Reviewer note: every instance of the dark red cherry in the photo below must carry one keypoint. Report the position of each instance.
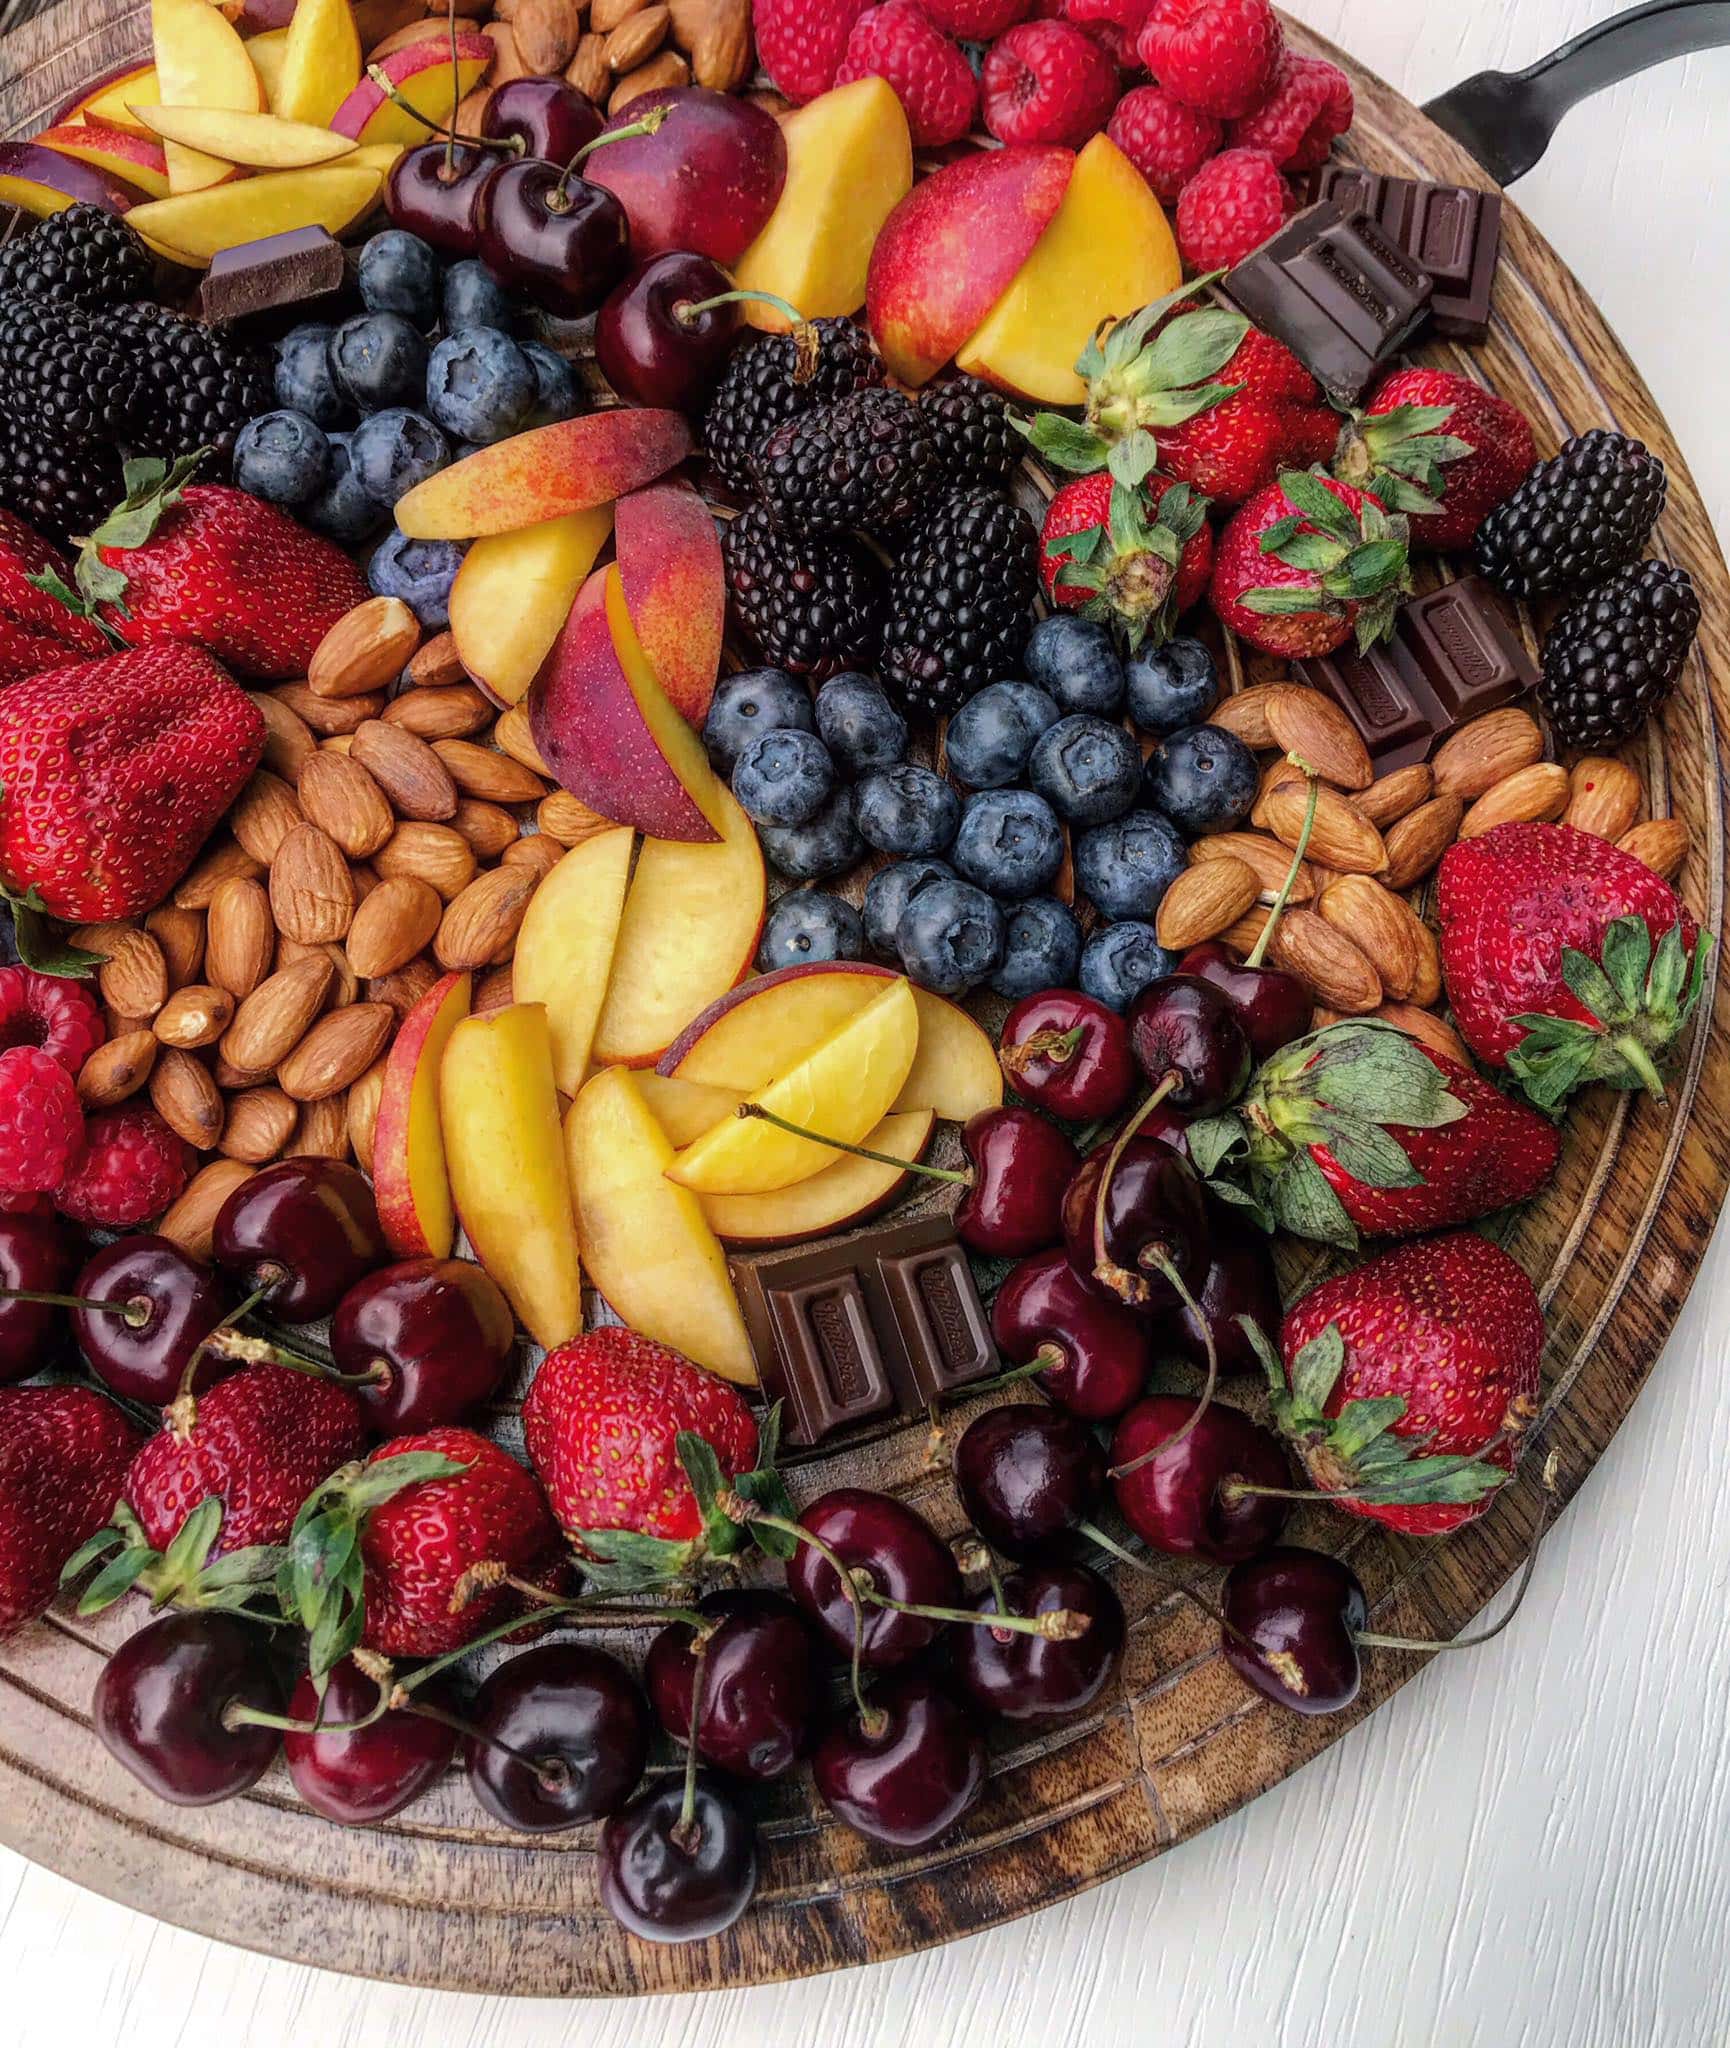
(907, 1772)
(1175, 1501)
(579, 1726)
(652, 348)
(164, 1701)
(762, 1683)
(1272, 1006)
(1239, 1281)
(1027, 1475)
(436, 193)
(307, 1229)
(1025, 1677)
(440, 1332)
(1068, 1054)
(40, 1255)
(1185, 1031)
(554, 237)
(373, 1772)
(668, 1880)
(900, 1556)
(1293, 1620)
(1021, 1165)
(1154, 1215)
(1100, 1352)
(548, 117)
(169, 1305)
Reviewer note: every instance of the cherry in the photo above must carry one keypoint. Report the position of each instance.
(762, 1682)
(664, 332)
(904, 1769)
(425, 1340)
(434, 191)
(1098, 1354)
(1293, 1619)
(561, 1736)
(545, 116)
(680, 1862)
(302, 1231)
(1069, 1055)
(148, 1308)
(1272, 1006)
(1240, 1281)
(1025, 1677)
(1135, 1223)
(559, 239)
(1028, 1477)
(167, 1700)
(362, 1774)
(899, 1556)
(1179, 1500)
(38, 1255)
(1188, 1041)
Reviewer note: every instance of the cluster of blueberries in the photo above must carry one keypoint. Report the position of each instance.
(372, 406)
(966, 900)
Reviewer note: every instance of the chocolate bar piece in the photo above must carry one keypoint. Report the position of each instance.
(1452, 657)
(282, 277)
(1451, 231)
(1341, 296)
(880, 1322)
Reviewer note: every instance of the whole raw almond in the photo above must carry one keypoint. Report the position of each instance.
(232, 1079)
(1529, 795)
(1604, 797)
(322, 1132)
(1379, 923)
(395, 923)
(568, 819)
(1427, 1028)
(1244, 936)
(260, 1122)
(1270, 859)
(436, 662)
(1275, 775)
(484, 917)
(668, 68)
(1662, 843)
(486, 827)
(485, 772)
(507, 58)
(288, 739)
(365, 650)
(1342, 839)
(337, 1050)
(240, 936)
(1315, 731)
(1393, 796)
(637, 39)
(546, 33)
(180, 934)
(330, 716)
(605, 15)
(717, 34)
(195, 1015)
(1486, 751)
(345, 983)
(185, 1095)
(1426, 985)
(272, 1021)
(311, 889)
(417, 782)
(1245, 714)
(1418, 840)
(1335, 970)
(264, 814)
(218, 864)
(190, 1219)
(431, 853)
(1204, 900)
(134, 977)
(512, 735)
(494, 990)
(343, 798)
(537, 853)
(116, 1069)
(455, 712)
(360, 1112)
(403, 989)
(587, 70)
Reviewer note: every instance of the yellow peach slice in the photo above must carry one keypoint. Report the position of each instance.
(257, 141)
(566, 944)
(514, 591)
(320, 63)
(191, 227)
(112, 102)
(842, 1194)
(408, 1155)
(685, 1109)
(200, 62)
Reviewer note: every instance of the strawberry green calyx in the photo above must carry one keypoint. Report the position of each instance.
(1129, 566)
(153, 487)
(40, 944)
(183, 1575)
(1400, 456)
(1354, 562)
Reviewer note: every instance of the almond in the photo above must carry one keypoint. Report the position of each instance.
(344, 984)
(1204, 900)
(240, 937)
(116, 1069)
(494, 990)
(264, 814)
(1274, 776)
(717, 34)
(605, 15)
(485, 772)
(1314, 730)
(507, 58)
(1426, 985)
(1342, 838)
(487, 828)
(1245, 714)
(636, 39)
(417, 782)
(455, 712)
(1662, 843)
(403, 989)
(1326, 962)
(667, 69)
(330, 715)
(134, 977)
(180, 934)
(365, 650)
(431, 853)
(396, 922)
(568, 819)
(539, 854)
(311, 889)
(436, 662)
(360, 1112)
(273, 1020)
(1418, 840)
(1537, 793)
(1604, 797)
(1427, 1028)
(484, 917)
(1379, 923)
(231, 1079)
(219, 863)
(337, 1050)
(1244, 936)
(260, 1122)
(195, 1015)
(288, 739)
(1393, 796)
(511, 735)
(546, 33)
(186, 1098)
(322, 1132)
(190, 1219)
(1270, 860)
(342, 797)
(587, 70)
(1486, 751)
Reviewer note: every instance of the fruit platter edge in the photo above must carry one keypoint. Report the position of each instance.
(1613, 1249)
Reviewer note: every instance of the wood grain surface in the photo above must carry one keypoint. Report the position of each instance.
(437, 1898)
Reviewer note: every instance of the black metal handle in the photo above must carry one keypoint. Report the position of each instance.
(1506, 118)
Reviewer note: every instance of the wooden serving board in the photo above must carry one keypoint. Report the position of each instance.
(443, 1897)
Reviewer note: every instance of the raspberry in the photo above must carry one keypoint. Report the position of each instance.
(1166, 141)
(49, 1011)
(1218, 56)
(802, 42)
(41, 1124)
(133, 1167)
(975, 21)
(1048, 81)
(1230, 207)
(1125, 15)
(1311, 103)
(932, 80)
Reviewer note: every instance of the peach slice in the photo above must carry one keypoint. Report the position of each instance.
(320, 62)
(685, 1109)
(500, 1114)
(422, 75)
(408, 1153)
(567, 467)
(566, 944)
(690, 928)
(955, 1070)
(843, 1194)
(849, 163)
(842, 1087)
(1109, 250)
(268, 52)
(191, 227)
(675, 589)
(111, 102)
(258, 141)
(648, 1249)
(43, 181)
(200, 62)
(132, 159)
(515, 590)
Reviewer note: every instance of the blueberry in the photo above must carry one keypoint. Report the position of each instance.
(783, 778)
(991, 737)
(304, 382)
(1041, 948)
(950, 937)
(1118, 963)
(400, 274)
(828, 845)
(379, 359)
(755, 700)
(1203, 778)
(1172, 686)
(473, 297)
(1076, 660)
(420, 572)
(1125, 867)
(810, 925)
(888, 893)
(342, 511)
(1087, 769)
(1009, 843)
(479, 385)
(282, 457)
(395, 450)
(555, 383)
(859, 725)
(908, 810)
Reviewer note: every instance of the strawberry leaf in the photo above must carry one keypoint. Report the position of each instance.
(1316, 1369)
(1064, 443)
(1371, 1156)
(627, 1561)
(1304, 1204)
(1279, 534)
(1134, 459)
(1213, 1141)
(1307, 495)
(38, 940)
(1286, 600)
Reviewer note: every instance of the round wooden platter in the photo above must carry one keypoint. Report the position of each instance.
(441, 1897)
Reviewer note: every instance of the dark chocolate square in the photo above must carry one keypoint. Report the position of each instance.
(1452, 232)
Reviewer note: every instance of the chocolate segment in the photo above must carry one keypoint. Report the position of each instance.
(279, 277)
(1451, 231)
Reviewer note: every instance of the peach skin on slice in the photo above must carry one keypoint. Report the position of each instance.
(566, 467)
(843, 1194)
(200, 62)
(43, 181)
(422, 74)
(648, 1249)
(111, 103)
(675, 589)
(513, 591)
(408, 1153)
(566, 943)
(751, 1034)
(133, 159)
(842, 1088)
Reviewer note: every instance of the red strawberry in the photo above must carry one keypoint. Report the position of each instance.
(1308, 105)
(932, 80)
(1166, 141)
(1231, 451)
(802, 42)
(1409, 1381)
(113, 773)
(37, 629)
(1047, 81)
(1138, 557)
(1566, 960)
(1267, 369)
(1230, 207)
(1306, 564)
(1220, 56)
(1441, 449)
(63, 1454)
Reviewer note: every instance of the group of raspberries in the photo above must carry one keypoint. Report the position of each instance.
(1231, 117)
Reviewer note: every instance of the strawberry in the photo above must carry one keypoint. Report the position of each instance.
(802, 42)
(63, 1454)
(1307, 563)
(932, 80)
(1566, 960)
(38, 629)
(1140, 556)
(1441, 449)
(112, 775)
(1047, 81)
(1232, 450)
(1409, 1382)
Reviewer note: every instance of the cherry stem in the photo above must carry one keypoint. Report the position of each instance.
(686, 1834)
(1046, 1359)
(1058, 1047)
(1175, 1280)
(685, 311)
(1258, 952)
(1120, 1145)
(768, 1116)
(135, 1308)
(508, 145)
(183, 1409)
(1060, 1625)
(558, 199)
(246, 1349)
(551, 1773)
(1112, 1548)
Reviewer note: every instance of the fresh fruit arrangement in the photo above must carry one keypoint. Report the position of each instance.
(668, 770)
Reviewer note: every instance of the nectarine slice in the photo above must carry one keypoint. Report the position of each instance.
(267, 52)
(113, 101)
(422, 75)
(134, 159)
(675, 590)
(685, 1109)
(752, 1034)
(200, 62)
(191, 226)
(513, 591)
(845, 1193)
(566, 944)
(321, 62)
(258, 141)
(955, 1071)
(408, 1153)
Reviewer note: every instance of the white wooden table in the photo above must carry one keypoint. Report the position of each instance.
(1528, 1847)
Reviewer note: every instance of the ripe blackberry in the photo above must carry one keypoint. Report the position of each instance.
(775, 376)
(867, 461)
(65, 488)
(959, 601)
(1585, 512)
(1614, 655)
(974, 436)
(82, 256)
(813, 607)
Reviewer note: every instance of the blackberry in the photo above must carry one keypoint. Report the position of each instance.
(1614, 655)
(776, 376)
(867, 461)
(1585, 512)
(81, 256)
(974, 436)
(959, 601)
(65, 488)
(813, 607)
